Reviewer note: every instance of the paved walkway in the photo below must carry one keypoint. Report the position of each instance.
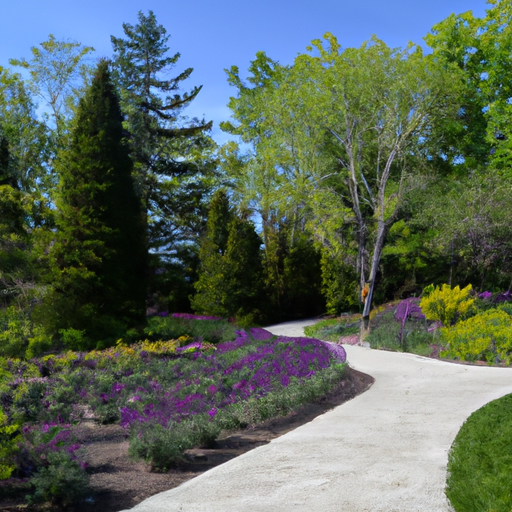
(385, 450)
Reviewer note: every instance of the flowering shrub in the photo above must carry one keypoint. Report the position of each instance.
(447, 305)
(409, 308)
(484, 337)
(169, 395)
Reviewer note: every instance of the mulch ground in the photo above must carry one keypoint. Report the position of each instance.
(118, 483)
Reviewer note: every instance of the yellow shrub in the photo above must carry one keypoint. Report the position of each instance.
(9, 439)
(484, 337)
(447, 305)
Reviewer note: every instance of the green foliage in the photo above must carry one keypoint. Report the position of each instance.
(333, 329)
(339, 285)
(98, 283)
(9, 439)
(58, 70)
(62, 482)
(230, 272)
(446, 304)
(385, 334)
(166, 328)
(486, 336)
(480, 460)
(163, 447)
(172, 154)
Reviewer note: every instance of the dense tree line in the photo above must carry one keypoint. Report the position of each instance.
(370, 172)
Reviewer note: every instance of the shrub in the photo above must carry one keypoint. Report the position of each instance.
(172, 327)
(62, 482)
(411, 336)
(447, 305)
(484, 337)
(9, 439)
(333, 329)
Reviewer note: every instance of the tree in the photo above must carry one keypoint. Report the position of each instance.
(164, 144)
(230, 272)
(481, 48)
(99, 285)
(375, 107)
(274, 179)
(58, 74)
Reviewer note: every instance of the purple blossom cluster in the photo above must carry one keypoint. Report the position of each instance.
(497, 298)
(409, 308)
(260, 371)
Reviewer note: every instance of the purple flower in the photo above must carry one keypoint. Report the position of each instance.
(485, 295)
(212, 412)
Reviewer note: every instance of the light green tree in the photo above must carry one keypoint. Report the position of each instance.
(59, 73)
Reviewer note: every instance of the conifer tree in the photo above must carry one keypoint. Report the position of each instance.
(230, 273)
(211, 286)
(164, 144)
(99, 284)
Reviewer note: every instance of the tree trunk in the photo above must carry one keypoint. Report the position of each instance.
(377, 251)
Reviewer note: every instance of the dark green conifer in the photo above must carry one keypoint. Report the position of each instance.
(99, 283)
(230, 272)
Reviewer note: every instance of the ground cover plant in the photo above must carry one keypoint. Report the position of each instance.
(332, 329)
(168, 395)
(480, 460)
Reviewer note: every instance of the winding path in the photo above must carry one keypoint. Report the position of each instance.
(384, 451)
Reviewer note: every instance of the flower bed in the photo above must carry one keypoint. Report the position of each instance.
(168, 395)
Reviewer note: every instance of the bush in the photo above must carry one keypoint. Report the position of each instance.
(333, 329)
(171, 327)
(480, 460)
(484, 337)
(163, 446)
(62, 482)
(9, 439)
(447, 305)
(409, 336)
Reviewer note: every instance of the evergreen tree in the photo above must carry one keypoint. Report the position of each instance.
(164, 144)
(99, 283)
(244, 271)
(230, 272)
(211, 290)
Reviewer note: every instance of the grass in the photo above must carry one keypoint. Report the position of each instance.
(480, 461)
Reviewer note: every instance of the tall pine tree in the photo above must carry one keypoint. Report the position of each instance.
(99, 282)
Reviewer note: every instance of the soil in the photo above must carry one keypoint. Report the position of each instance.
(118, 483)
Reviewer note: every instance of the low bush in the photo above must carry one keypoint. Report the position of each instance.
(446, 304)
(61, 482)
(410, 335)
(486, 336)
(333, 329)
(211, 329)
(480, 460)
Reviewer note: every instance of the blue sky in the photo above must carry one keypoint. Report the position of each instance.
(214, 35)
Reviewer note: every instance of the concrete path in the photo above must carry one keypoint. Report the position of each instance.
(386, 450)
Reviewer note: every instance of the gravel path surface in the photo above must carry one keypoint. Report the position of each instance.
(386, 450)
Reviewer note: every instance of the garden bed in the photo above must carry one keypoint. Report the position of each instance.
(118, 483)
